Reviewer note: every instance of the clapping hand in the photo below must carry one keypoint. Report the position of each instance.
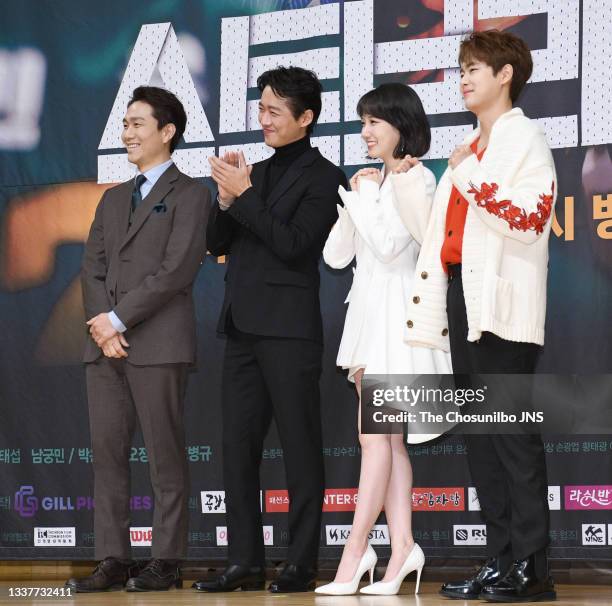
(232, 175)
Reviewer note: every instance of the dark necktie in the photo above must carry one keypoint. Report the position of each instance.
(136, 195)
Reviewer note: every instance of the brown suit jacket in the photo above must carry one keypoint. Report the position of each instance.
(146, 274)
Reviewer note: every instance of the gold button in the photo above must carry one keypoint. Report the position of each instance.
(416, 299)
(424, 275)
(445, 332)
(410, 324)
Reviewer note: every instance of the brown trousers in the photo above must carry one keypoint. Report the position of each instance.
(119, 393)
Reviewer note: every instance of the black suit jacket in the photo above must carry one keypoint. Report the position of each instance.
(146, 273)
(274, 246)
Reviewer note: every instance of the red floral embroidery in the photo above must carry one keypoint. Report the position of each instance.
(516, 217)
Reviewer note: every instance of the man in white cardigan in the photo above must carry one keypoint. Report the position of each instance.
(480, 289)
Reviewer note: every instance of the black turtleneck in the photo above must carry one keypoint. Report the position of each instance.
(281, 160)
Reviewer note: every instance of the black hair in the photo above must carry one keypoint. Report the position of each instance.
(401, 107)
(167, 109)
(300, 87)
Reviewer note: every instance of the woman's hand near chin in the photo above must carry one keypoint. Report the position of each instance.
(373, 174)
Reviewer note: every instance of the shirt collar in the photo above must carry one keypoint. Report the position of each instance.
(153, 174)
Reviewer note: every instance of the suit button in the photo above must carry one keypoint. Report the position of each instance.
(416, 299)
(410, 324)
(424, 275)
(445, 332)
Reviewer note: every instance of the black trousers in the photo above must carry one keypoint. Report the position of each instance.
(265, 378)
(508, 471)
(118, 394)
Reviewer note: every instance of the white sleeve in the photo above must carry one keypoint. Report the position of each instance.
(339, 248)
(413, 193)
(377, 223)
(520, 211)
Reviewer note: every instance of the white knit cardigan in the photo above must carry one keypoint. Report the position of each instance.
(511, 194)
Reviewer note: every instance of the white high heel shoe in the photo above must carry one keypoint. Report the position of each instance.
(367, 562)
(414, 561)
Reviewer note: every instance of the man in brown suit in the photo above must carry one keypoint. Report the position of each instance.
(144, 250)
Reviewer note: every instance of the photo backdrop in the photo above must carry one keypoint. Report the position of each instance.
(67, 69)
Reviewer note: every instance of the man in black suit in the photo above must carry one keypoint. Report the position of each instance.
(273, 219)
(143, 253)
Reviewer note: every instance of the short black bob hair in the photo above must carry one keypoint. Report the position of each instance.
(401, 107)
(167, 109)
(300, 87)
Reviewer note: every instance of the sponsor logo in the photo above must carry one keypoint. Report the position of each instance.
(340, 499)
(339, 534)
(593, 534)
(470, 534)
(26, 504)
(268, 535)
(54, 537)
(438, 499)
(473, 502)
(277, 501)
(554, 498)
(335, 499)
(213, 501)
(588, 497)
(221, 535)
(141, 536)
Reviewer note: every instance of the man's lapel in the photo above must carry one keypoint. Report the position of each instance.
(160, 190)
(123, 208)
(258, 176)
(291, 175)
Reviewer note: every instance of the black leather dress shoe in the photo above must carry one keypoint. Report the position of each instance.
(522, 583)
(109, 575)
(158, 575)
(247, 578)
(469, 589)
(293, 579)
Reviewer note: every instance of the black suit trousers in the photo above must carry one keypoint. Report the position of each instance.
(119, 394)
(265, 378)
(508, 471)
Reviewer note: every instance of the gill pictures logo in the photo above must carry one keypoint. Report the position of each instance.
(26, 503)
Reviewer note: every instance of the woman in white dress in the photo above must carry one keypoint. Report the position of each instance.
(396, 131)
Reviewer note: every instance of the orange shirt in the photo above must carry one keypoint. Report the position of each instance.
(456, 213)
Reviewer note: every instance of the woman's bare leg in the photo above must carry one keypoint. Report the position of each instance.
(398, 507)
(376, 459)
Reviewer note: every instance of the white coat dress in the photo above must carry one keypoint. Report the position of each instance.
(370, 229)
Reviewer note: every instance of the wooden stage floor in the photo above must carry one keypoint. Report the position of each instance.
(567, 595)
